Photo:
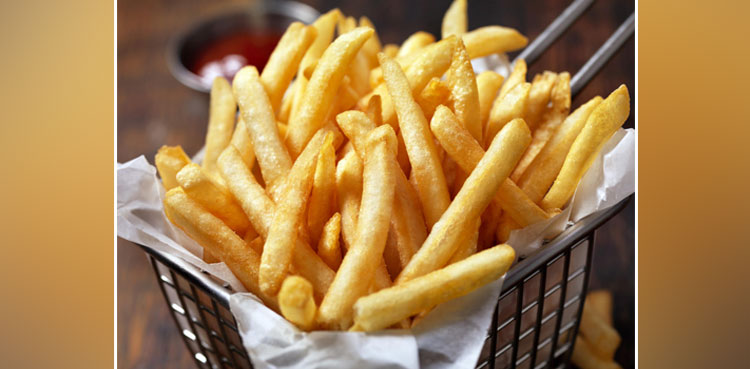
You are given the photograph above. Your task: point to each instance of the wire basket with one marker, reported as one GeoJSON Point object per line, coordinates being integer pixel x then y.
{"type": "Point", "coordinates": [535, 319]}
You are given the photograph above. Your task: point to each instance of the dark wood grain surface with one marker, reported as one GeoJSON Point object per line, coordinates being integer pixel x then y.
{"type": "Point", "coordinates": [154, 109]}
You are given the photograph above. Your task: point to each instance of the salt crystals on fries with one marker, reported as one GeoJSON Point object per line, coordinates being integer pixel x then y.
{"type": "Point", "coordinates": [354, 186]}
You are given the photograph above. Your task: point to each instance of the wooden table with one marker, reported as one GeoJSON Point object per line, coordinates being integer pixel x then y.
{"type": "Point", "coordinates": [154, 109]}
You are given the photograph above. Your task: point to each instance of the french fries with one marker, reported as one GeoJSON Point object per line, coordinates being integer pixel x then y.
{"type": "Point", "coordinates": [388, 306]}
{"type": "Point", "coordinates": [606, 118]}
{"type": "Point", "coordinates": [296, 302]}
{"type": "Point", "coordinates": [325, 80]}
{"type": "Point", "coordinates": [361, 260]}
{"type": "Point", "coordinates": [426, 167]}
{"type": "Point", "coordinates": [401, 167]}
{"type": "Point", "coordinates": [469, 203]}
{"type": "Point", "coordinates": [220, 123]}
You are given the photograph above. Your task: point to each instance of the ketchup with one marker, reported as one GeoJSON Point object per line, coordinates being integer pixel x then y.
{"type": "Point", "coordinates": [226, 55]}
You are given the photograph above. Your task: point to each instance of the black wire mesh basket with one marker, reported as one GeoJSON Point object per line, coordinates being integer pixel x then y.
{"type": "Point", "coordinates": [535, 319]}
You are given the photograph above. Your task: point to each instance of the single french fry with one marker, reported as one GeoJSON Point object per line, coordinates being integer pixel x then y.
{"type": "Point", "coordinates": [220, 123]}
{"type": "Point", "coordinates": [241, 142]}
{"type": "Point", "coordinates": [296, 302]}
{"type": "Point", "coordinates": [601, 303]}
{"type": "Point", "coordinates": [603, 122]}
{"type": "Point", "coordinates": [282, 236]}
{"type": "Point", "coordinates": [260, 210]}
{"type": "Point", "coordinates": [426, 167]}
{"type": "Point", "coordinates": [213, 196]}
{"type": "Point", "coordinates": [169, 160]}
{"type": "Point", "coordinates": [402, 156]}
{"type": "Point", "coordinates": [516, 77]}
{"type": "Point", "coordinates": [257, 112]}
{"type": "Point", "coordinates": [435, 93]}
{"type": "Point", "coordinates": [359, 73]}
{"type": "Point", "coordinates": [374, 110]}
{"type": "Point", "coordinates": [506, 108]}
{"type": "Point", "coordinates": [476, 193]}
{"type": "Point", "coordinates": [540, 174]}
{"type": "Point", "coordinates": [553, 118]}
{"type": "Point", "coordinates": [455, 20]}
{"type": "Point", "coordinates": [325, 26]}
{"type": "Point", "coordinates": [321, 203]}
{"type": "Point", "coordinates": [488, 84]}
{"type": "Point", "coordinates": [391, 50]}
{"type": "Point", "coordinates": [372, 47]}
{"type": "Point", "coordinates": [539, 95]}
{"type": "Point", "coordinates": [388, 306]}
{"type": "Point", "coordinates": [284, 60]}
{"type": "Point", "coordinates": [347, 96]}
{"type": "Point", "coordinates": [467, 153]}
{"type": "Point", "coordinates": [489, 40]}
{"type": "Point", "coordinates": [361, 261]}
{"type": "Point", "coordinates": [213, 234]}
{"type": "Point", "coordinates": [584, 357]}
{"type": "Point", "coordinates": [322, 87]}
{"type": "Point", "coordinates": [602, 338]}
{"type": "Point", "coordinates": [464, 96]}
{"type": "Point", "coordinates": [328, 246]}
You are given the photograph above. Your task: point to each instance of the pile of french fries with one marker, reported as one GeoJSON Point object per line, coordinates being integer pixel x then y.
{"type": "Point", "coordinates": [361, 185]}
{"type": "Point", "coordinates": [597, 340]}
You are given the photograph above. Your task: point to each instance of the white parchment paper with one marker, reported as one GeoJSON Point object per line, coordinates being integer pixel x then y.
{"type": "Point", "coordinates": [450, 336]}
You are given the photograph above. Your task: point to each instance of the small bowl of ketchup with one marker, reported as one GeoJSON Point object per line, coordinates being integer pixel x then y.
{"type": "Point", "coordinates": [223, 44]}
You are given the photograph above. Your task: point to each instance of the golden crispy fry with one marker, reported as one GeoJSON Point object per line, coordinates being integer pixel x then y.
{"type": "Point", "coordinates": [493, 40]}
{"type": "Point", "coordinates": [464, 93]}
{"type": "Point", "coordinates": [361, 261]}
{"type": "Point", "coordinates": [328, 246]}
{"type": "Point", "coordinates": [506, 108]}
{"type": "Point", "coordinates": [282, 236]}
{"type": "Point", "coordinates": [602, 338]}
{"type": "Point", "coordinates": [241, 142]}
{"type": "Point", "coordinates": [540, 174]}
{"type": "Point", "coordinates": [374, 110]}
{"type": "Point", "coordinates": [381, 309]}
{"type": "Point", "coordinates": [169, 160]}
{"type": "Point", "coordinates": [435, 93]}
{"type": "Point", "coordinates": [407, 229]}
{"type": "Point", "coordinates": [490, 223]}
{"type": "Point", "coordinates": [322, 87]}
{"type": "Point", "coordinates": [257, 112]}
{"type": "Point", "coordinates": [347, 96]}
{"type": "Point", "coordinates": [296, 302]}
{"type": "Point", "coordinates": [402, 156]}
{"type": "Point", "coordinates": [321, 203]}
{"type": "Point", "coordinates": [220, 123]}
{"type": "Point", "coordinates": [426, 167]}
{"type": "Point", "coordinates": [584, 357]}
{"type": "Point", "coordinates": [539, 94]}
{"type": "Point", "coordinates": [467, 153]}
{"type": "Point", "coordinates": [600, 126]}
{"type": "Point", "coordinates": [488, 84]}
{"type": "Point", "coordinates": [553, 117]}
{"type": "Point", "coordinates": [325, 27]}
{"type": "Point", "coordinates": [212, 196]}
{"type": "Point", "coordinates": [260, 209]}
{"type": "Point", "coordinates": [391, 50]}
{"type": "Point", "coordinates": [214, 235]}
{"type": "Point", "coordinates": [601, 303]}
{"type": "Point", "coordinates": [455, 20]}
{"type": "Point", "coordinates": [284, 61]}
{"type": "Point", "coordinates": [516, 77]}
{"type": "Point", "coordinates": [470, 244]}
{"type": "Point", "coordinates": [372, 47]}
{"type": "Point", "coordinates": [359, 73]}
{"type": "Point", "coordinates": [471, 201]}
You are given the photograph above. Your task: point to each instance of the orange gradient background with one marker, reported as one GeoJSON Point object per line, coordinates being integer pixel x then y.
{"type": "Point", "coordinates": [56, 190]}
{"type": "Point", "coordinates": [56, 184]}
